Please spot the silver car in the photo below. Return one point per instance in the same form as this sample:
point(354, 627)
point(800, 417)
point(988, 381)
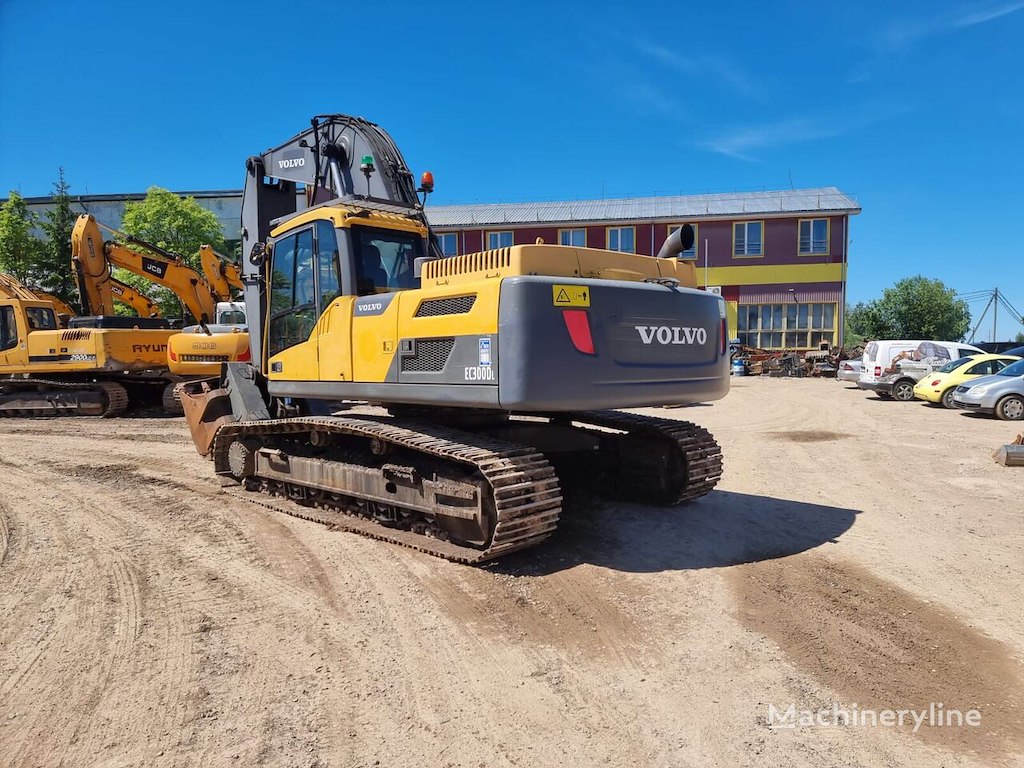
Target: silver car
point(1001, 394)
point(849, 370)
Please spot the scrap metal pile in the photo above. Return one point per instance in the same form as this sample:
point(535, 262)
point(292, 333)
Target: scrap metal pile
point(791, 363)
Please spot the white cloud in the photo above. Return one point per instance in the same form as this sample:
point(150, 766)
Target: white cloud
point(739, 142)
point(904, 33)
point(712, 68)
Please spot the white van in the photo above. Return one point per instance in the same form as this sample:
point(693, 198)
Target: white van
point(891, 368)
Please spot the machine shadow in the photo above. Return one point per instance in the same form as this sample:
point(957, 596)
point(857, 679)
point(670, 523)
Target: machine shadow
point(722, 529)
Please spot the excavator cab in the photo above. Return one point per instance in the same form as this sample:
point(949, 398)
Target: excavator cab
point(320, 261)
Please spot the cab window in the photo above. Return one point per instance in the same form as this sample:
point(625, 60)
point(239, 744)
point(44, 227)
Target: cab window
point(8, 328)
point(385, 260)
point(40, 319)
point(292, 292)
point(232, 317)
point(328, 265)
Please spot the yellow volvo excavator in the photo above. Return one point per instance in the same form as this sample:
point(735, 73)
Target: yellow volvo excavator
point(493, 371)
point(94, 367)
point(207, 295)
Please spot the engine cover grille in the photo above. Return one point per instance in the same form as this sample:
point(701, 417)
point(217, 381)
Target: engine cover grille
point(450, 305)
point(431, 355)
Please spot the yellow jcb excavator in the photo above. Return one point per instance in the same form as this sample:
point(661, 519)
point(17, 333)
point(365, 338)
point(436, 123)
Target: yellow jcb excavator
point(495, 369)
point(208, 296)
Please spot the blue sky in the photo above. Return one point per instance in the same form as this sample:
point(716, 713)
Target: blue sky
point(916, 108)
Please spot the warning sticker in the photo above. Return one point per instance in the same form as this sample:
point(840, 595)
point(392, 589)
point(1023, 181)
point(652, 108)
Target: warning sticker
point(570, 295)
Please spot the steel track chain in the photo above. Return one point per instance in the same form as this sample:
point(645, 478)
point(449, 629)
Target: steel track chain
point(117, 397)
point(701, 453)
point(526, 496)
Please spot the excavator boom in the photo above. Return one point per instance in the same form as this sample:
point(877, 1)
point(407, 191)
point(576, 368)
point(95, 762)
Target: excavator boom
point(95, 260)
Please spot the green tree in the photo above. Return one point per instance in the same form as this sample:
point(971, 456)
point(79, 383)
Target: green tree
point(1019, 338)
point(917, 308)
point(176, 224)
point(19, 248)
point(862, 322)
point(54, 274)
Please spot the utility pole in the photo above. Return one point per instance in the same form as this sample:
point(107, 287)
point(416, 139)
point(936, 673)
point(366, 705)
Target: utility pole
point(995, 312)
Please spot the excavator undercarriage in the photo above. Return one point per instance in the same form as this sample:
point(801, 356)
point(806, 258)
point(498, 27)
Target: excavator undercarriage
point(462, 485)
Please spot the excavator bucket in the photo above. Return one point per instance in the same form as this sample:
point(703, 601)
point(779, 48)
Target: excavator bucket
point(207, 407)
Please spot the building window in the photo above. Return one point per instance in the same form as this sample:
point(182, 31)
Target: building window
point(449, 242)
point(574, 237)
point(691, 252)
point(785, 326)
point(814, 236)
point(746, 238)
point(499, 240)
point(622, 239)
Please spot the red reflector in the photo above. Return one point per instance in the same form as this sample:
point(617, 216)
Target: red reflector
point(578, 324)
point(174, 357)
point(878, 370)
point(935, 383)
point(245, 357)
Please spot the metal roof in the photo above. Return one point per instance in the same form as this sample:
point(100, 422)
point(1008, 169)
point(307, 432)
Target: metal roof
point(727, 204)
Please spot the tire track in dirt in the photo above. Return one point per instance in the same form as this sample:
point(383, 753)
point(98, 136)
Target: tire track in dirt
point(6, 533)
point(125, 521)
point(881, 647)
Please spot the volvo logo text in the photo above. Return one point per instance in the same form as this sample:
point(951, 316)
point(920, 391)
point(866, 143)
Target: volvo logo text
point(295, 162)
point(665, 334)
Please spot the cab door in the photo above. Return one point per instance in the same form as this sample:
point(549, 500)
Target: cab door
point(291, 342)
point(12, 344)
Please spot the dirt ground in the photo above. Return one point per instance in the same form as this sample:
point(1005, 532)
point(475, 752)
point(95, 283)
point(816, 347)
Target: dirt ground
point(856, 552)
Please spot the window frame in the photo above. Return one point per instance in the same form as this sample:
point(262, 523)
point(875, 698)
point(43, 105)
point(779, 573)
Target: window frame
point(320, 228)
point(570, 230)
point(765, 323)
point(487, 238)
point(745, 254)
point(828, 237)
point(440, 238)
point(696, 238)
point(279, 318)
point(608, 237)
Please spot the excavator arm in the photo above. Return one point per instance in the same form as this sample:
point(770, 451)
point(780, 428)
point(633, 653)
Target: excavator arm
point(94, 261)
point(224, 276)
point(140, 302)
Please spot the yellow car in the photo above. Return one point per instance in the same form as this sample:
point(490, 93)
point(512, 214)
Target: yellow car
point(937, 387)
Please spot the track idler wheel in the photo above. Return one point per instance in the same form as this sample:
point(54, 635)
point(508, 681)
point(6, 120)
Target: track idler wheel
point(242, 458)
point(171, 400)
point(115, 399)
